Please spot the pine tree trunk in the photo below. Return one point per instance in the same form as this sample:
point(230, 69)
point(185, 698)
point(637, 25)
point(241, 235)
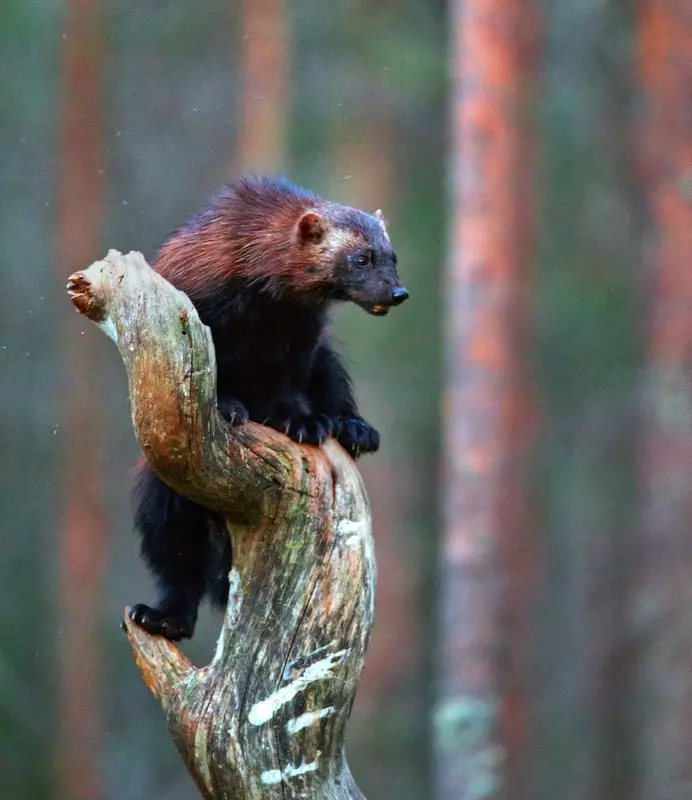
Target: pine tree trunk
point(82, 535)
point(661, 609)
point(486, 554)
point(266, 98)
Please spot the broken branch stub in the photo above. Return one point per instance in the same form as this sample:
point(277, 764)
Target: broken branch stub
point(266, 718)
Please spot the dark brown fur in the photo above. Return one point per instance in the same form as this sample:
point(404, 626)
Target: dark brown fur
point(262, 263)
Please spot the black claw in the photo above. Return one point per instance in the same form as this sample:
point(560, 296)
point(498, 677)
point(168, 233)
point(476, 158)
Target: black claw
point(357, 436)
point(337, 426)
point(303, 429)
point(233, 411)
point(162, 623)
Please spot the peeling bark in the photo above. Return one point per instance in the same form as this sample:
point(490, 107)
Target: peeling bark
point(266, 718)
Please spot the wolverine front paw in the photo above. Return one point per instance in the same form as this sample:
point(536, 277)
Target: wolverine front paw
point(356, 436)
point(303, 428)
point(233, 411)
point(162, 623)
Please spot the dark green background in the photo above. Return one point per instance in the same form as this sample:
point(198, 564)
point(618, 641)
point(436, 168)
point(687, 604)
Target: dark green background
point(171, 85)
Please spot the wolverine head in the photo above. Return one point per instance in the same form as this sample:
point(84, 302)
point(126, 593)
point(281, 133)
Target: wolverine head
point(285, 242)
point(348, 253)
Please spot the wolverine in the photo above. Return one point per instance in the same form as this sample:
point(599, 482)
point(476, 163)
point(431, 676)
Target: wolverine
point(263, 264)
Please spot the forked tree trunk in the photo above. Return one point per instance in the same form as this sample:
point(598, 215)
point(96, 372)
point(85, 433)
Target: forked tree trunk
point(266, 718)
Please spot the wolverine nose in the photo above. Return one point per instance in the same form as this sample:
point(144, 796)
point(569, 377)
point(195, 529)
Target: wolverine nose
point(399, 295)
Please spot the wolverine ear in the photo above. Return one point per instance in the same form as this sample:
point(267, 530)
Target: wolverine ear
point(379, 216)
point(311, 227)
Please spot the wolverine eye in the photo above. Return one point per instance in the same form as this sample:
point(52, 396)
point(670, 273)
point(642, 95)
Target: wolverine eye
point(362, 259)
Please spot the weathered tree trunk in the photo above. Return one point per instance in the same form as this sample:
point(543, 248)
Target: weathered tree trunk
point(266, 718)
point(486, 552)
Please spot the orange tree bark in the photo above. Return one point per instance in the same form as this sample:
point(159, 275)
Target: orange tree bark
point(266, 719)
point(662, 600)
point(481, 712)
point(80, 187)
point(265, 104)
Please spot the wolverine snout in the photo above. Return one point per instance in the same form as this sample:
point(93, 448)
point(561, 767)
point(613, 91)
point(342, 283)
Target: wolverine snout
point(399, 295)
point(379, 306)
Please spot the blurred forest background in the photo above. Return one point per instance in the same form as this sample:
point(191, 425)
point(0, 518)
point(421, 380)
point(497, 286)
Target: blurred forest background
point(118, 119)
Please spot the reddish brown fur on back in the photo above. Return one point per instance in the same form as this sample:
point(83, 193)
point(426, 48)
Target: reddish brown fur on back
point(251, 231)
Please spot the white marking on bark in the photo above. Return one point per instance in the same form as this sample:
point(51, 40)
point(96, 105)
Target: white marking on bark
point(299, 662)
point(235, 602)
point(272, 776)
point(235, 597)
point(108, 328)
point(264, 710)
point(353, 531)
point(220, 644)
point(308, 719)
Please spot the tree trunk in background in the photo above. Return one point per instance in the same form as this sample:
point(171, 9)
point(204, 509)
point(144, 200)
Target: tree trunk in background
point(662, 593)
point(266, 100)
point(82, 537)
point(486, 553)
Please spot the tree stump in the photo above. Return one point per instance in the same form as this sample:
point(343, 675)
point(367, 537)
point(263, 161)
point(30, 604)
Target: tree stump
point(266, 719)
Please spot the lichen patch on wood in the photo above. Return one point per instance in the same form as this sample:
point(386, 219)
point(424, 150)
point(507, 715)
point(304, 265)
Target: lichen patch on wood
point(277, 776)
point(264, 710)
point(308, 719)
